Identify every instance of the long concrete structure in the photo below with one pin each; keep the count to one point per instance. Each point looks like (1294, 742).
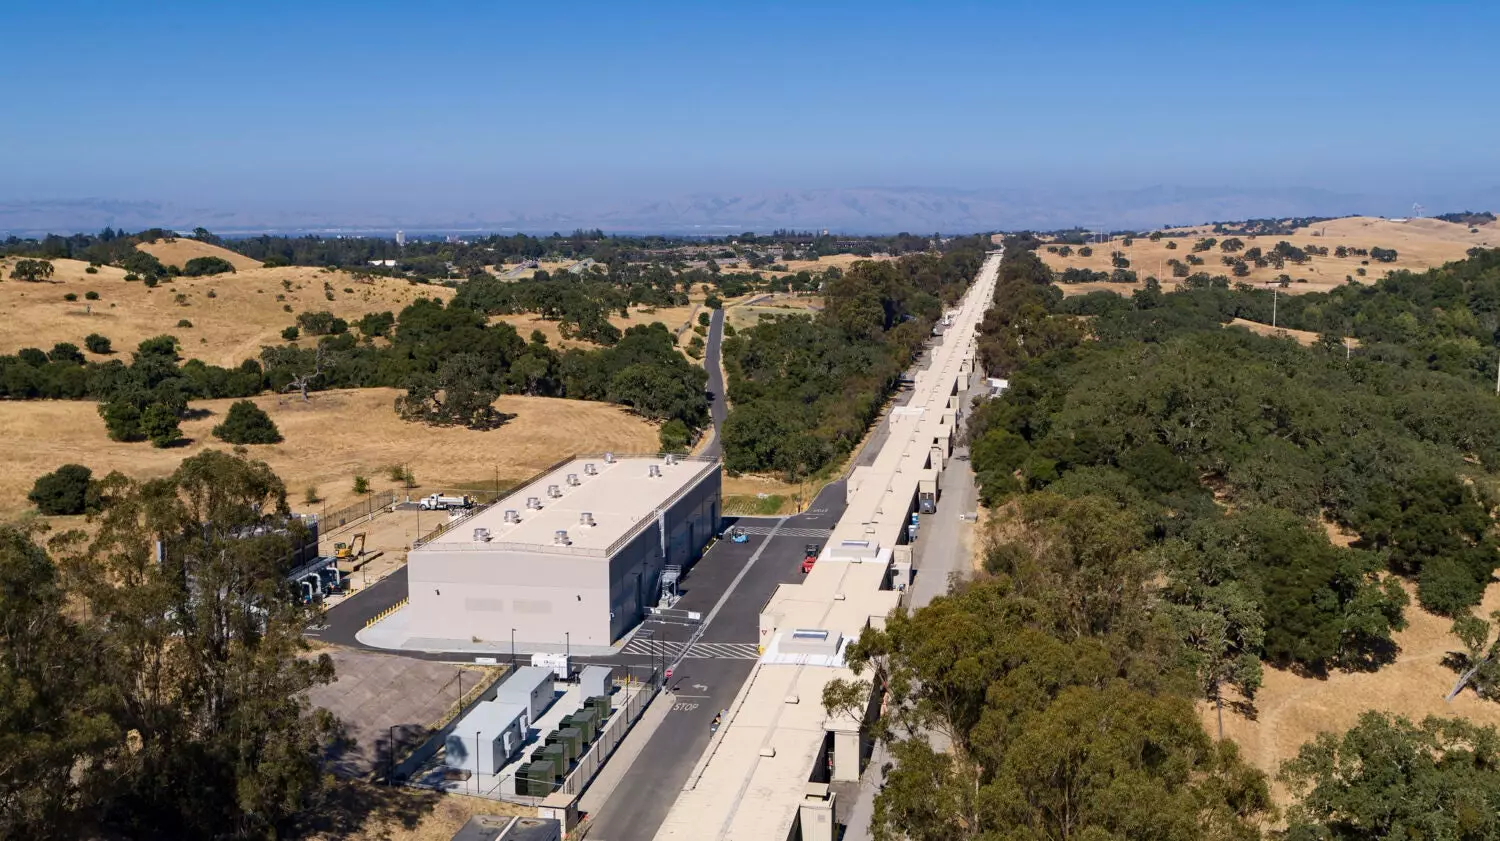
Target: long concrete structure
(766, 774)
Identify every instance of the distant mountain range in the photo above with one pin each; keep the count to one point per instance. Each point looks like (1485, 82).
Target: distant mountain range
(869, 210)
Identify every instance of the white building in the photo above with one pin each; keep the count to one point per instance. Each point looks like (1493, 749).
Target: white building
(573, 557)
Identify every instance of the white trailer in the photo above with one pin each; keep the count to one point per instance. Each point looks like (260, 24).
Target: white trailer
(437, 501)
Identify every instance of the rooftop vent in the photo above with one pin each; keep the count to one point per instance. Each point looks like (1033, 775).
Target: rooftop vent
(481, 535)
(573, 479)
(534, 503)
(590, 469)
(671, 458)
(609, 458)
(793, 699)
(586, 519)
(512, 515)
(768, 751)
(554, 491)
(560, 537)
(653, 471)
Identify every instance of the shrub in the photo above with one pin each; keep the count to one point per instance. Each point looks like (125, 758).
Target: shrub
(674, 436)
(291, 333)
(71, 296)
(183, 322)
(247, 423)
(97, 343)
(66, 352)
(361, 485)
(67, 490)
(31, 270)
(91, 295)
(131, 276)
(150, 281)
(402, 475)
(199, 266)
(1085, 251)
(1383, 255)
(1171, 245)
(322, 323)
(212, 294)
(91, 270)
(311, 496)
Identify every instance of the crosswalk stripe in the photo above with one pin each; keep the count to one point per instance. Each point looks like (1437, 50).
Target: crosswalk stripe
(763, 530)
(701, 650)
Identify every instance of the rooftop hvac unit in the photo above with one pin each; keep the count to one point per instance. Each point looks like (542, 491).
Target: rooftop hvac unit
(586, 519)
(554, 491)
(609, 458)
(512, 515)
(481, 535)
(533, 503)
(653, 471)
(590, 469)
(573, 479)
(560, 537)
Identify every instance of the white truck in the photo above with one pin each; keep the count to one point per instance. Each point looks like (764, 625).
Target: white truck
(437, 501)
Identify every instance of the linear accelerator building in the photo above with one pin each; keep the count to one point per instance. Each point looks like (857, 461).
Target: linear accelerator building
(576, 555)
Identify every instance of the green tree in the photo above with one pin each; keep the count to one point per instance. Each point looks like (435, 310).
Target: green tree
(247, 423)
(1387, 778)
(675, 436)
(361, 485)
(31, 270)
(97, 343)
(186, 579)
(200, 266)
(67, 490)
(56, 718)
(160, 425)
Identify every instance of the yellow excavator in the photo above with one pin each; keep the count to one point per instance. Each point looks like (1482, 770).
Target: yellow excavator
(346, 551)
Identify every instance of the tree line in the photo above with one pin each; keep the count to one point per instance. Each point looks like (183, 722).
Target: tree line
(1164, 486)
(806, 388)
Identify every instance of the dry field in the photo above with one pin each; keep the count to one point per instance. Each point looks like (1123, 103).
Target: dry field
(1419, 243)
(749, 310)
(179, 251)
(1291, 710)
(841, 261)
(247, 309)
(1306, 338)
(328, 441)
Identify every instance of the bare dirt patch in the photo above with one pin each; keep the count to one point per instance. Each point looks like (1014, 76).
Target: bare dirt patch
(374, 693)
(179, 251)
(232, 315)
(365, 812)
(328, 441)
(1291, 710)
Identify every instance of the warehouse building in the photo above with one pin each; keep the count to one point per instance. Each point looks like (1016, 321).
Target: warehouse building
(573, 557)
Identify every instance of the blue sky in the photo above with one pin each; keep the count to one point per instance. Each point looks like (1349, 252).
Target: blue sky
(330, 104)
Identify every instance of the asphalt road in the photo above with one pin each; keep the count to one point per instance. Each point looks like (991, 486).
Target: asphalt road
(703, 687)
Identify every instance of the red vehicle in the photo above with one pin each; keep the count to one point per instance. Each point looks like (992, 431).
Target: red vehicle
(810, 557)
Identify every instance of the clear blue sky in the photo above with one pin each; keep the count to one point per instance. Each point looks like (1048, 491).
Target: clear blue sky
(548, 104)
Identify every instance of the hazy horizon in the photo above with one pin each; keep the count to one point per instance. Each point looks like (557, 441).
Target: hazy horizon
(346, 112)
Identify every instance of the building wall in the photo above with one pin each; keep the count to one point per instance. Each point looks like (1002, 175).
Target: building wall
(677, 539)
(556, 598)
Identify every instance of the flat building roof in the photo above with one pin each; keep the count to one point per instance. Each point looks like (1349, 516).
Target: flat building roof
(614, 496)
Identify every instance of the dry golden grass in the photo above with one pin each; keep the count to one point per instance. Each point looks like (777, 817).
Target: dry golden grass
(230, 327)
(1291, 710)
(841, 261)
(1419, 243)
(365, 812)
(179, 251)
(1306, 338)
(743, 313)
(328, 441)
